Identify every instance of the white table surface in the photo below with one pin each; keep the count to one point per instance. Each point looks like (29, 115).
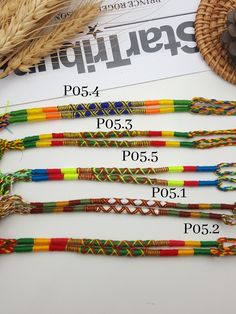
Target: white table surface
(69, 283)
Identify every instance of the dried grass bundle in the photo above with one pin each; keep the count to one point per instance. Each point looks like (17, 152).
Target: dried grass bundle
(25, 37)
(8, 9)
(28, 14)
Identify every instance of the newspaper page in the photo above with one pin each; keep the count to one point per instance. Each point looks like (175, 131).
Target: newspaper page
(133, 41)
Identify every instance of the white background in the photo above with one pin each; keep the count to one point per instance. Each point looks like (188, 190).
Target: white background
(69, 283)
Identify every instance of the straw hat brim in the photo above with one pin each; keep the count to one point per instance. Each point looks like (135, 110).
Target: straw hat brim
(211, 22)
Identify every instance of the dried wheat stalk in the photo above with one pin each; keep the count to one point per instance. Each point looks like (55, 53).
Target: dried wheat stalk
(37, 33)
(42, 27)
(8, 9)
(3, 2)
(29, 14)
(47, 44)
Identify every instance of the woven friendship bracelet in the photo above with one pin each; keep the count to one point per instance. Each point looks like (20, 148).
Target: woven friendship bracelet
(196, 105)
(122, 175)
(13, 204)
(102, 139)
(139, 248)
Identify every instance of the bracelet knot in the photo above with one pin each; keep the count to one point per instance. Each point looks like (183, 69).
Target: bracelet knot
(7, 246)
(10, 145)
(224, 249)
(4, 121)
(13, 204)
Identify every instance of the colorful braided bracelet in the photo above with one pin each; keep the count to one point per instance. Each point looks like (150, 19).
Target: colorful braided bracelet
(93, 139)
(122, 175)
(196, 105)
(13, 204)
(139, 248)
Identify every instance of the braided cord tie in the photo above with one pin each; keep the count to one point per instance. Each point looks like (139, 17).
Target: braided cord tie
(13, 205)
(4, 121)
(224, 250)
(215, 132)
(7, 246)
(216, 142)
(226, 176)
(5, 117)
(138, 248)
(211, 106)
(7, 180)
(10, 145)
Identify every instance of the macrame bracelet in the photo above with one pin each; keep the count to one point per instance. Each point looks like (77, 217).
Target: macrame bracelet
(102, 139)
(13, 204)
(122, 175)
(196, 105)
(139, 248)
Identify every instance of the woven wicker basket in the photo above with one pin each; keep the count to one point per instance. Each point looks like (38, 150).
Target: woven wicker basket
(209, 26)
